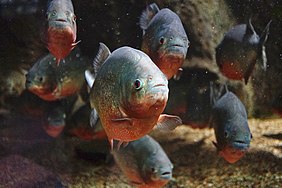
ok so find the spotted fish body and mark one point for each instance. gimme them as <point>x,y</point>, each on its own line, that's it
<point>51,82</point>
<point>230,123</point>
<point>144,163</point>
<point>164,39</point>
<point>239,51</point>
<point>129,93</point>
<point>60,28</point>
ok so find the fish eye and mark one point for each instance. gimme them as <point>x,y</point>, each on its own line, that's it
<point>153,170</point>
<point>138,84</point>
<point>54,13</point>
<point>225,134</point>
<point>40,79</point>
<point>162,40</point>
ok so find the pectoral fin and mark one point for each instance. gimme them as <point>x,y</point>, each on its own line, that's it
<point>249,71</point>
<point>178,74</point>
<point>74,44</point>
<point>168,122</point>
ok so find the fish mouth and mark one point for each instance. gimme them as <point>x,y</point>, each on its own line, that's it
<point>60,20</point>
<point>166,176</point>
<point>159,85</point>
<point>241,145</point>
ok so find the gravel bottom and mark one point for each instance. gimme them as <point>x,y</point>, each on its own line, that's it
<point>196,163</point>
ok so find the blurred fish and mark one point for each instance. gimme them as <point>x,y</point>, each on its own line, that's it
<point>276,105</point>
<point>12,84</point>
<point>144,163</point>
<point>51,82</point>
<point>60,34</point>
<point>56,121</point>
<point>230,123</point>
<point>164,39</point>
<point>83,126</point>
<point>239,51</point>
<point>129,93</point>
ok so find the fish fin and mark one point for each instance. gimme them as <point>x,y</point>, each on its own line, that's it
<point>58,62</point>
<point>111,141</point>
<point>93,118</point>
<point>75,44</point>
<point>264,35</point>
<point>250,29</point>
<point>249,71</point>
<point>178,74</point>
<point>89,78</point>
<point>214,143</point>
<point>168,122</point>
<point>120,142</point>
<point>102,55</point>
<point>147,15</point>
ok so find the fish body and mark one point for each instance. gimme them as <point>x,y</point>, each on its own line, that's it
<point>144,163</point>
<point>164,39</point>
<point>60,28</point>
<point>129,93</point>
<point>230,123</point>
<point>51,82</point>
<point>239,51</point>
<point>56,121</point>
<point>84,127</point>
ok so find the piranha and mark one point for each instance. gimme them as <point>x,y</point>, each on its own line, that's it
<point>51,82</point>
<point>56,121</point>
<point>164,39</point>
<point>144,163</point>
<point>239,51</point>
<point>60,32</point>
<point>129,93</point>
<point>84,126</point>
<point>230,123</point>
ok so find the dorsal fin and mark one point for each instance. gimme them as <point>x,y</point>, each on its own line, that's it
<point>147,15</point>
<point>264,35</point>
<point>250,29</point>
<point>100,58</point>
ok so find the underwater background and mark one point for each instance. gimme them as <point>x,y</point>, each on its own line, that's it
<point>31,158</point>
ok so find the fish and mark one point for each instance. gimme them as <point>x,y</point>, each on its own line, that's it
<point>84,126</point>
<point>129,93</point>
<point>60,28</point>
<point>56,121</point>
<point>51,82</point>
<point>230,123</point>
<point>164,39</point>
<point>144,163</point>
<point>276,104</point>
<point>239,51</point>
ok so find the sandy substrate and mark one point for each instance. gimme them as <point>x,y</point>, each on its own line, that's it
<point>72,163</point>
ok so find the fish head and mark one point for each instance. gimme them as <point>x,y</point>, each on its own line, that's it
<point>41,78</point>
<point>60,14</point>
<point>144,89</point>
<point>55,122</point>
<point>157,168</point>
<point>166,42</point>
<point>234,140</point>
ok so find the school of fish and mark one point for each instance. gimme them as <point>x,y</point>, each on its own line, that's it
<point>128,89</point>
